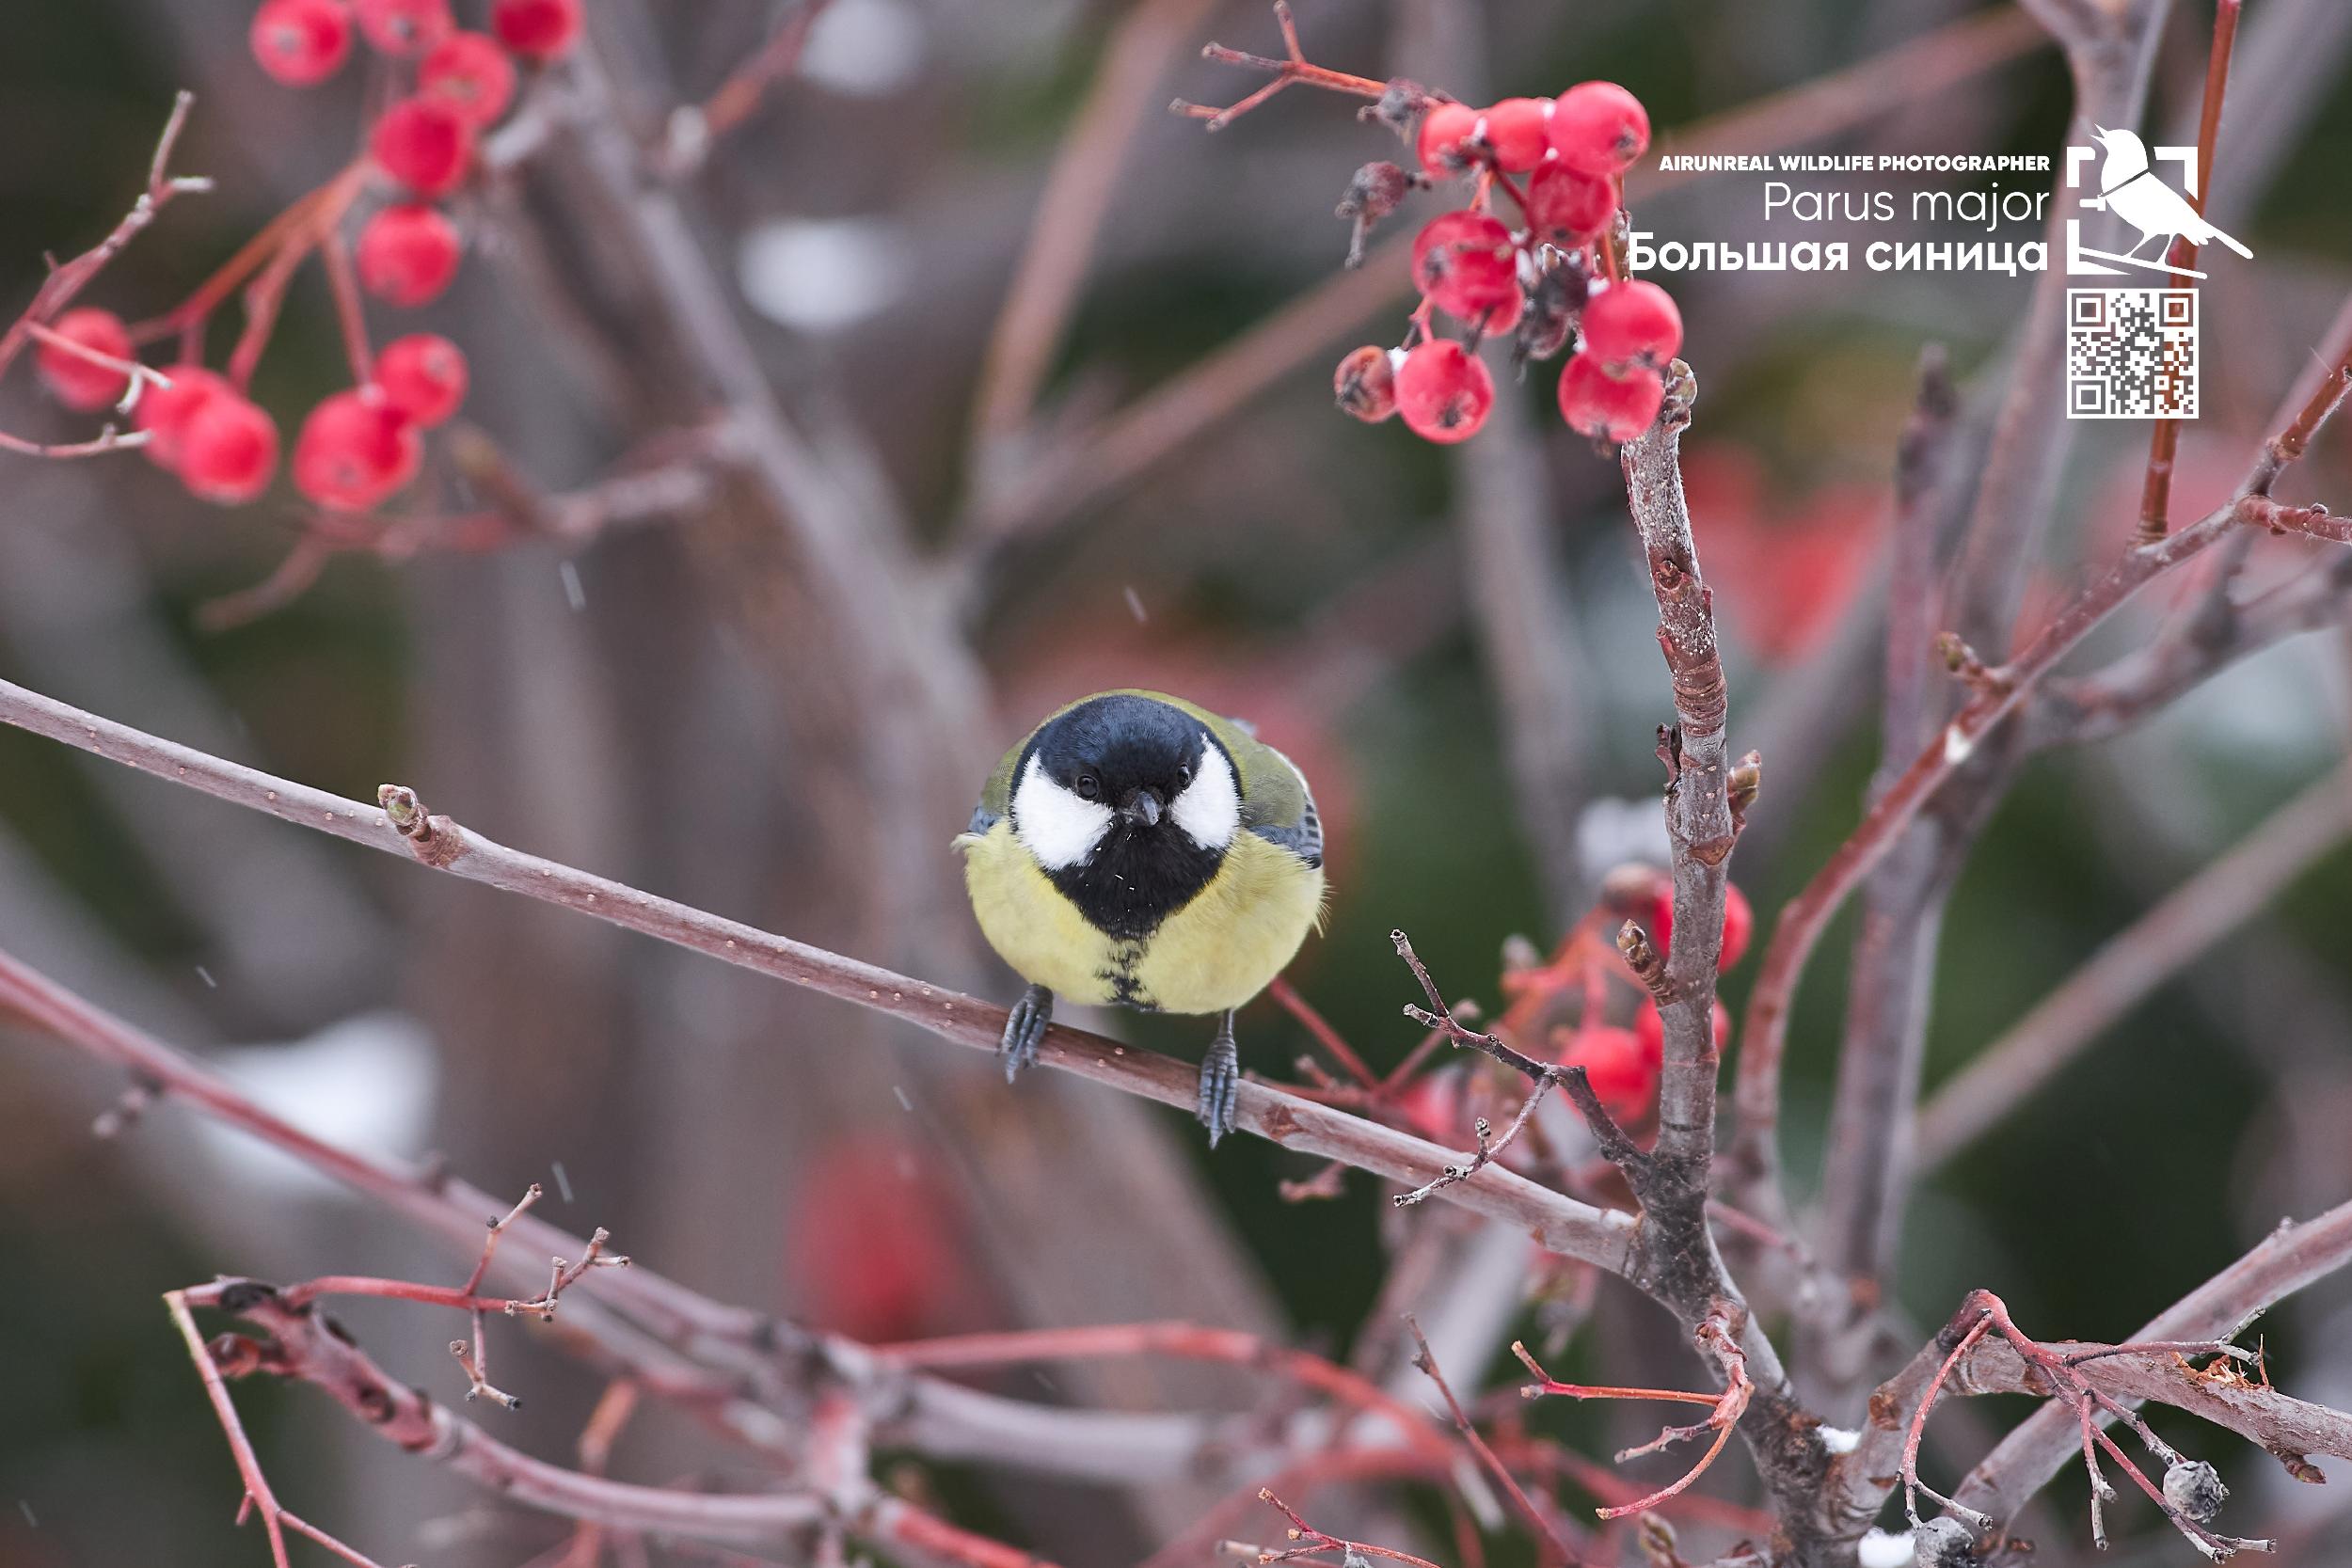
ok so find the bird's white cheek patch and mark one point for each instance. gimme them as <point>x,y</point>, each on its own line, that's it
<point>1052,824</point>
<point>1208,808</point>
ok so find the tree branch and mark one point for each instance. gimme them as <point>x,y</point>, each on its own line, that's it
<point>1860,1480</point>
<point>1997,693</point>
<point>404,827</point>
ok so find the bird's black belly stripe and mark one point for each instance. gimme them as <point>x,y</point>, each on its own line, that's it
<point>1126,990</point>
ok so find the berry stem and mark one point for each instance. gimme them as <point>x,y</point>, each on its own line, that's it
<point>350,315</point>
<point>331,200</point>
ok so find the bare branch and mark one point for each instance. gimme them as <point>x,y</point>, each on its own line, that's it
<point>1563,1224</point>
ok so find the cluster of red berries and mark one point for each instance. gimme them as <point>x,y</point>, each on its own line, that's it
<point>1553,169</point>
<point>1573,1009</point>
<point>423,142</point>
<point>358,447</point>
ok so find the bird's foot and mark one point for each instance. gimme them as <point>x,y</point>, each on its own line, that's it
<point>1220,1083</point>
<point>1025,1028</point>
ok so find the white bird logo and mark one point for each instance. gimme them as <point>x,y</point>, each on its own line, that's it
<point>2129,188</point>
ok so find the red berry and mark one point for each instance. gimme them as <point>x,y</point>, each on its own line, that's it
<point>1432,1104</point>
<point>163,412</point>
<point>405,28</point>
<point>470,74</point>
<point>228,449</point>
<point>301,43</point>
<point>1609,408</point>
<point>1632,323</point>
<point>356,449</point>
<point>1599,128</point>
<point>1649,1032</point>
<point>541,29</point>
<point>1444,145</point>
<point>1620,1069</point>
<point>1365,384</point>
<point>1515,129</point>
<point>1465,263</point>
<point>1650,1029</point>
<point>872,1249</point>
<point>1738,924</point>
<point>408,255</point>
<point>423,377</point>
<point>424,144</point>
<point>79,383</point>
<point>1443,392</point>
<point>1566,206</point>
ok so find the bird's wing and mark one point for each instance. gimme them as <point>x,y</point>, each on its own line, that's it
<point>1302,835</point>
<point>1276,804</point>
<point>997,795</point>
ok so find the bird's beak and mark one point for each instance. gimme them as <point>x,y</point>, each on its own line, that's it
<point>2099,134</point>
<point>1142,809</point>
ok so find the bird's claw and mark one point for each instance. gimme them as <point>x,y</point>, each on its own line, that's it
<point>1220,1085</point>
<point>1024,1029</point>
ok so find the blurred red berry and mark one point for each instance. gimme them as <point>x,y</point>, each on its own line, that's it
<point>1632,322</point>
<point>873,1250</point>
<point>1432,1105</point>
<point>1621,1070</point>
<point>541,29</point>
<point>405,28</point>
<point>77,382</point>
<point>163,412</point>
<point>1445,143</point>
<point>470,74</point>
<point>1365,384</point>
<point>1650,1029</point>
<point>423,377</point>
<point>1738,924</point>
<point>1465,263</point>
<point>1598,127</point>
<point>228,449</point>
<point>1606,407</point>
<point>1443,392</point>
<point>1515,129</point>
<point>1800,560</point>
<point>301,43</point>
<point>1567,206</point>
<point>408,255</point>
<point>424,144</point>
<point>356,449</point>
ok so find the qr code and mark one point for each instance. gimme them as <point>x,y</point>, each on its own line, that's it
<point>2130,353</point>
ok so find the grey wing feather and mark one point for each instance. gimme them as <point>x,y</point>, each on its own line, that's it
<point>1303,837</point>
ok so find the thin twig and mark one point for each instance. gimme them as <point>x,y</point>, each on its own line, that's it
<point>2156,494</point>
<point>257,1488</point>
<point>1554,1548</point>
<point>69,278</point>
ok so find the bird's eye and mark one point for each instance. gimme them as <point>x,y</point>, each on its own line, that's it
<point>1089,786</point>
<point>1184,775</point>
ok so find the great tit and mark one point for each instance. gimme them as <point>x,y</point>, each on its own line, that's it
<point>1138,850</point>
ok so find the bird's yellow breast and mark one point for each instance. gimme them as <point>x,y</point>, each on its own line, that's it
<point>1216,952</point>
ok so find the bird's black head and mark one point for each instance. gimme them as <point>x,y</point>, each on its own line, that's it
<point>1128,804</point>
